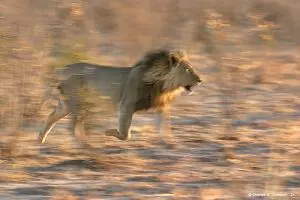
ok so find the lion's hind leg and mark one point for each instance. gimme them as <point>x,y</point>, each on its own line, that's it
<point>78,130</point>
<point>60,112</point>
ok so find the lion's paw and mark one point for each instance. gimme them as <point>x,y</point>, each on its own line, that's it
<point>115,133</point>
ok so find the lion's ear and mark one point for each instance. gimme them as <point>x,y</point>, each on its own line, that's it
<point>176,56</point>
<point>173,60</point>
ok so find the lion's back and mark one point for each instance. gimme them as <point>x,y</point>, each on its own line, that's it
<point>92,81</point>
<point>88,68</point>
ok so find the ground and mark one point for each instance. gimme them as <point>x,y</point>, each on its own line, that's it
<point>257,156</point>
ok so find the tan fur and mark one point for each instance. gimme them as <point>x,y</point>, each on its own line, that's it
<point>166,98</point>
<point>153,82</point>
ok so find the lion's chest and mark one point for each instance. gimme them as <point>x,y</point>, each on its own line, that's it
<point>168,97</point>
<point>157,100</point>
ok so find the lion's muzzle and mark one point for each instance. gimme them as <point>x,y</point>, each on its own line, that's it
<point>191,86</point>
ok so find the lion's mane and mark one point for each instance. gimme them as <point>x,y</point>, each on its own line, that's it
<point>157,85</point>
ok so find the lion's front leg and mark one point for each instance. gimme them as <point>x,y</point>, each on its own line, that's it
<point>125,118</point>
<point>163,124</point>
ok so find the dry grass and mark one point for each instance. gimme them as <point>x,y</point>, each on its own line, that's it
<point>236,137</point>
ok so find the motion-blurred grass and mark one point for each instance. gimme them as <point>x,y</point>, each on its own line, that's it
<point>237,136</point>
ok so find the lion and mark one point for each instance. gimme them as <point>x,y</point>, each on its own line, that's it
<point>152,83</point>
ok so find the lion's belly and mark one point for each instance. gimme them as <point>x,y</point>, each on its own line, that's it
<point>91,93</point>
<point>102,99</point>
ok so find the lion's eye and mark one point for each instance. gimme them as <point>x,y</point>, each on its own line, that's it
<point>187,70</point>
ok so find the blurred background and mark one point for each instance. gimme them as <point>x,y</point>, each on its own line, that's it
<point>237,136</point>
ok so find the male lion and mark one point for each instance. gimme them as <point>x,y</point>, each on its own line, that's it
<point>152,83</point>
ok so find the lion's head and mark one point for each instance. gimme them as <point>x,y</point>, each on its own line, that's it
<point>181,72</point>
<point>171,69</point>
<point>163,73</point>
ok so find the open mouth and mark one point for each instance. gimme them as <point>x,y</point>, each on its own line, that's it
<point>188,88</point>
